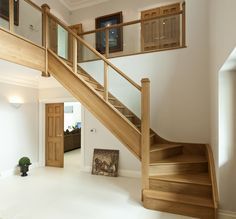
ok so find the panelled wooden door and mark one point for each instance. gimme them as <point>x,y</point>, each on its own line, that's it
<point>170,26</point>
<point>161,32</point>
<point>150,30</point>
<point>55,135</point>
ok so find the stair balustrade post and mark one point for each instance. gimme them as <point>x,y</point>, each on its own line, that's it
<point>75,54</point>
<point>145,131</point>
<point>106,81</point>
<point>45,37</point>
<point>107,49</point>
<point>11,15</point>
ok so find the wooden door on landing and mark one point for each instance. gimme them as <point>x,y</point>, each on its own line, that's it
<point>55,135</point>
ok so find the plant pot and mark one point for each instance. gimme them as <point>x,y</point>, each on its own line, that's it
<point>24,169</point>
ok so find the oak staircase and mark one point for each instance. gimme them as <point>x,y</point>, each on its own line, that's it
<point>176,177</point>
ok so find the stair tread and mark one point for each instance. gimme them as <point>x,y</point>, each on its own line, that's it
<point>197,178</point>
<point>129,116</point>
<point>99,89</point>
<point>183,158</point>
<point>180,198</point>
<point>159,147</point>
<point>117,106</point>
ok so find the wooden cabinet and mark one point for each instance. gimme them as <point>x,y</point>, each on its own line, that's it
<point>161,32</point>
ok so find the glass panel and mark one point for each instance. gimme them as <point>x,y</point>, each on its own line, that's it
<point>84,53</point>
<point>90,63</point>
<point>4,14</point>
<point>125,92</point>
<point>29,23</point>
<point>129,41</point>
<point>62,42</point>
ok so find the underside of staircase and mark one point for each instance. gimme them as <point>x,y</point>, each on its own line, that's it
<point>180,177</point>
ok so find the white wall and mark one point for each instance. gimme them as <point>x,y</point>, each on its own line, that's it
<point>71,119</point>
<point>19,127</point>
<point>57,8</point>
<point>180,108</point>
<point>222,42</point>
<point>227,139</point>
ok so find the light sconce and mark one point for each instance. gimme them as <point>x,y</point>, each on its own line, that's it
<point>16,101</point>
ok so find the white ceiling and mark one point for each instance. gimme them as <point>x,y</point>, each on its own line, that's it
<point>78,4</point>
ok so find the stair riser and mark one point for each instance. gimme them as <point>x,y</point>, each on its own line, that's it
<point>165,169</point>
<point>181,188</point>
<point>156,156</point>
<point>179,208</point>
<point>152,140</point>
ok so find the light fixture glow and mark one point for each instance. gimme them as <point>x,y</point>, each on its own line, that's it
<point>16,101</point>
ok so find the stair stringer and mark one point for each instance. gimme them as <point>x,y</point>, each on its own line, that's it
<point>103,111</point>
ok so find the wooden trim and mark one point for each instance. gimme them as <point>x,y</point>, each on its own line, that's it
<point>145,131</point>
<point>213,176</point>
<point>94,51</point>
<point>127,23</point>
<point>119,126</point>
<point>11,15</point>
<point>14,46</point>
<point>139,53</point>
<point>107,49</point>
<point>33,5</point>
<point>184,24</point>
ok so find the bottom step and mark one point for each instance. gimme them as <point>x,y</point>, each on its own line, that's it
<point>179,204</point>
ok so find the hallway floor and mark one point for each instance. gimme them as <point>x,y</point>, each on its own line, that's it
<point>49,193</point>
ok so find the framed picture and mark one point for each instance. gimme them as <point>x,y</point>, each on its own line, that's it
<point>115,35</point>
<point>4,10</point>
<point>105,162</point>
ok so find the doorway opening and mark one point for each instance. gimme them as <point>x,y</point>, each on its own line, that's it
<point>63,135</point>
<point>72,134</point>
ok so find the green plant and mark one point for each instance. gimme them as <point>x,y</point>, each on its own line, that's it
<point>24,161</point>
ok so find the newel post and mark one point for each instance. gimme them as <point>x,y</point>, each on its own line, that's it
<point>45,37</point>
<point>145,131</point>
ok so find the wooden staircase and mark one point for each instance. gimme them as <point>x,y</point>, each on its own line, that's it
<point>176,177</point>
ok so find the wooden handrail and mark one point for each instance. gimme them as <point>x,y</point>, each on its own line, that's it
<point>61,23</point>
<point>129,23</point>
<point>33,5</point>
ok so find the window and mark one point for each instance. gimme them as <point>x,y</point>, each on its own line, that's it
<point>162,32</point>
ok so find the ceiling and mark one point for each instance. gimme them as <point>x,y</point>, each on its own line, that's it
<point>78,4</point>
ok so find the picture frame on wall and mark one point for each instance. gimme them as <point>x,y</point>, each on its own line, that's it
<point>115,35</point>
<point>4,10</point>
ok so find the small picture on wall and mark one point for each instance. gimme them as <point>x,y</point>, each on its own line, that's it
<point>115,34</point>
<point>105,162</point>
<point>4,10</point>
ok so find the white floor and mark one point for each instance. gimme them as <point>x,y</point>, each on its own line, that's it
<point>51,193</point>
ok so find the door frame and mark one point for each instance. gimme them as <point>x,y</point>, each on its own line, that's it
<point>42,128</point>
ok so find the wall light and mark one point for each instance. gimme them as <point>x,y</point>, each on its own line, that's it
<point>16,101</point>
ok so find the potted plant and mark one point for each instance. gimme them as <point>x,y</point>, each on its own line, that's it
<point>24,164</point>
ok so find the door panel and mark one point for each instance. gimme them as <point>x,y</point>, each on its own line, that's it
<point>55,135</point>
<point>161,32</point>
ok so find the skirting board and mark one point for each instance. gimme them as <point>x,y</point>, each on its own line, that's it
<point>124,173</point>
<point>227,214</point>
<point>15,171</point>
